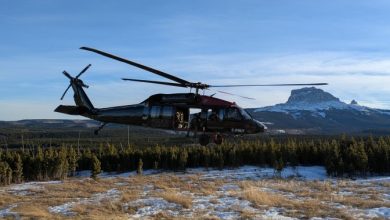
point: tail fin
(80, 97)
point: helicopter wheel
(218, 139)
(204, 139)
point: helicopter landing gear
(96, 132)
(204, 139)
(218, 139)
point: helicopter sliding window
(221, 114)
(155, 112)
(167, 112)
(145, 113)
(212, 115)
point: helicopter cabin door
(214, 119)
(181, 116)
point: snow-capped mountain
(313, 110)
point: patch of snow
(122, 184)
(344, 193)
(202, 202)
(386, 197)
(319, 114)
(255, 173)
(152, 206)
(296, 114)
(228, 187)
(147, 189)
(274, 213)
(299, 106)
(65, 209)
(383, 112)
(87, 173)
(4, 213)
(382, 212)
(374, 179)
(28, 188)
(318, 109)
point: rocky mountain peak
(354, 102)
(310, 95)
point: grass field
(246, 192)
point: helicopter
(214, 116)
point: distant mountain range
(314, 111)
(49, 123)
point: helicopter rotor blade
(63, 95)
(156, 82)
(67, 75)
(289, 84)
(245, 97)
(155, 71)
(83, 71)
(228, 93)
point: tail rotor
(75, 80)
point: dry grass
(261, 198)
(308, 200)
(33, 211)
(104, 210)
(363, 203)
(300, 199)
(175, 197)
(7, 199)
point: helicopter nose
(260, 127)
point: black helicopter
(169, 111)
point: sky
(344, 43)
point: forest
(343, 156)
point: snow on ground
(152, 206)
(66, 208)
(382, 212)
(224, 202)
(6, 212)
(28, 188)
(256, 173)
(274, 213)
(87, 173)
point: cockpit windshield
(245, 114)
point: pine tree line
(343, 156)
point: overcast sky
(343, 43)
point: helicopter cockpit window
(245, 114)
(233, 114)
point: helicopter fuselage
(174, 112)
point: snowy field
(243, 193)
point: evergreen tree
(96, 167)
(183, 159)
(139, 167)
(5, 173)
(18, 169)
(73, 158)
